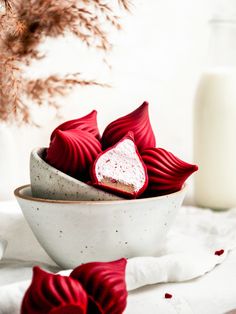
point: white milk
(215, 138)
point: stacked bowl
(76, 223)
(96, 198)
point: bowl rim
(17, 193)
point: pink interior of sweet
(121, 168)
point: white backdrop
(157, 57)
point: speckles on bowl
(50, 183)
(88, 231)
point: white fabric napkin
(14, 230)
(190, 249)
(189, 253)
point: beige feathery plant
(24, 24)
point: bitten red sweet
(54, 294)
(138, 122)
(87, 123)
(166, 172)
(105, 285)
(120, 169)
(73, 152)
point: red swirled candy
(73, 151)
(166, 172)
(87, 123)
(138, 122)
(54, 294)
(105, 286)
(120, 169)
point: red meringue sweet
(166, 172)
(73, 151)
(105, 286)
(138, 122)
(120, 169)
(87, 123)
(54, 294)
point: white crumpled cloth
(189, 253)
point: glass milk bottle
(215, 120)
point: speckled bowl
(48, 182)
(75, 232)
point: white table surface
(211, 294)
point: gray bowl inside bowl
(49, 183)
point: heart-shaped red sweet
(87, 123)
(54, 294)
(120, 169)
(105, 286)
(73, 152)
(166, 172)
(138, 122)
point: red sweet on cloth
(166, 172)
(87, 123)
(120, 169)
(138, 122)
(219, 252)
(54, 294)
(168, 296)
(73, 152)
(105, 285)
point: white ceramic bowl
(75, 232)
(48, 182)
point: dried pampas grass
(24, 24)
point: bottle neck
(222, 48)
